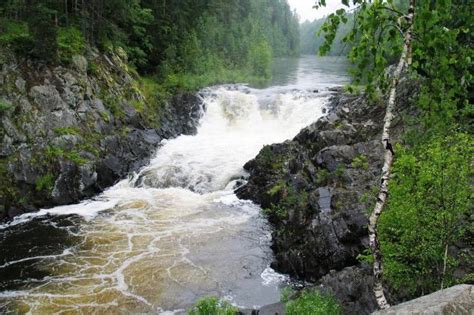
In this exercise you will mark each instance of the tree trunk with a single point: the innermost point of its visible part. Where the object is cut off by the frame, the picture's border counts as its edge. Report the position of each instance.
(405, 60)
(445, 260)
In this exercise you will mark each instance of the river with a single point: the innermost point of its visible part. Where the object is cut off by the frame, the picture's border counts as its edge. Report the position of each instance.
(159, 240)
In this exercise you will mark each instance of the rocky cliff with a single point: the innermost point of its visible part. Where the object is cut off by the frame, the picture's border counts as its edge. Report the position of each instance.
(69, 132)
(317, 189)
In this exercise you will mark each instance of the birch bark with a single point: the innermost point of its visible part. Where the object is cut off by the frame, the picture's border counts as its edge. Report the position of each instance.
(404, 61)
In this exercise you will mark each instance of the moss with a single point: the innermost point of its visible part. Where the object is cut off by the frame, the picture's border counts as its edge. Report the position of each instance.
(360, 162)
(269, 159)
(322, 176)
(45, 183)
(67, 131)
(53, 153)
(112, 104)
(5, 106)
(92, 68)
(277, 188)
(340, 169)
(105, 116)
(276, 211)
(8, 191)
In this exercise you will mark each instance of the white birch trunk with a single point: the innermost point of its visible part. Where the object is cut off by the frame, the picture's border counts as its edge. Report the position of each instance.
(405, 60)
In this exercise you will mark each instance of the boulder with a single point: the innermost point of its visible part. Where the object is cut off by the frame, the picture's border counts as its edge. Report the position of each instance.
(457, 300)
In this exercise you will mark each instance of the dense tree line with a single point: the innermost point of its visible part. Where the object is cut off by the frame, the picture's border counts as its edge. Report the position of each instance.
(311, 39)
(159, 36)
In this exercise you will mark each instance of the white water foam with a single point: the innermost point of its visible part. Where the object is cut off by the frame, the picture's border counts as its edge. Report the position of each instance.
(168, 219)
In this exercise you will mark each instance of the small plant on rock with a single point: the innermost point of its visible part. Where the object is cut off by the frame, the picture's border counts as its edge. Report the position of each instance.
(211, 305)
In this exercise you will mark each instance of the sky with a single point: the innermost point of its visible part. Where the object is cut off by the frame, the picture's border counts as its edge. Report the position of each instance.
(305, 10)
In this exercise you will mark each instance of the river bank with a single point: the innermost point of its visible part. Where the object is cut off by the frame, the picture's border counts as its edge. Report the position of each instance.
(316, 191)
(68, 133)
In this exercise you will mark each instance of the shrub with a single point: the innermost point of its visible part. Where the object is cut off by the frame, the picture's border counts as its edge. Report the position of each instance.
(260, 57)
(15, 35)
(212, 306)
(70, 42)
(430, 201)
(313, 302)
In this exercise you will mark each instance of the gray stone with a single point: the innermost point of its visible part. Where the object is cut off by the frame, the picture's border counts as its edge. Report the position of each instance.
(64, 97)
(324, 226)
(47, 98)
(457, 300)
(80, 63)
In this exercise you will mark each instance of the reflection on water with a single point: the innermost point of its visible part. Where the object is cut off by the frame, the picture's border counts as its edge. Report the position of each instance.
(175, 231)
(309, 72)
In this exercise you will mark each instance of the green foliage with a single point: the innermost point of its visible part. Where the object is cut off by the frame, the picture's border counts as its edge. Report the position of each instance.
(442, 54)
(71, 130)
(360, 162)
(311, 39)
(277, 188)
(52, 153)
(285, 294)
(313, 302)
(431, 193)
(186, 44)
(5, 106)
(45, 182)
(212, 306)
(92, 68)
(15, 35)
(430, 200)
(340, 169)
(70, 42)
(322, 176)
(278, 212)
(43, 32)
(260, 58)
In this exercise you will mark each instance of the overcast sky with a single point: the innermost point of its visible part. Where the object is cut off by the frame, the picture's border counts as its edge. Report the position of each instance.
(306, 12)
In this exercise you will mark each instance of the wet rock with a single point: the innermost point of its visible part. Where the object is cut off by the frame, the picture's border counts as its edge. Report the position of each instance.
(312, 189)
(353, 287)
(71, 134)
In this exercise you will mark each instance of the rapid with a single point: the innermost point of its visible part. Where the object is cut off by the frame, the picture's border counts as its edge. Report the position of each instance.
(175, 231)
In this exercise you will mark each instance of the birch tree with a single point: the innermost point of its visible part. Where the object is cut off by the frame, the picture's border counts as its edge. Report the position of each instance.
(382, 30)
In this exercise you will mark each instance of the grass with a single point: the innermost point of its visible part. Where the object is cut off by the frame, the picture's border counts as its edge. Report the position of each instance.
(313, 302)
(72, 155)
(67, 131)
(211, 305)
(275, 189)
(45, 182)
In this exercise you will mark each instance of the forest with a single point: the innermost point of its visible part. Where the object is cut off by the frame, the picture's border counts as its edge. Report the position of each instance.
(311, 40)
(411, 66)
(189, 43)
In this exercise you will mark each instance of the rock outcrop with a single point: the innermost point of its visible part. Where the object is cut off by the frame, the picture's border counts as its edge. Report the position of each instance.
(317, 189)
(69, 132)
(457, 300)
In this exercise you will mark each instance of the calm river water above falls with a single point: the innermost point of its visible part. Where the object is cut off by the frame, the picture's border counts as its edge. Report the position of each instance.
(174, 232)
